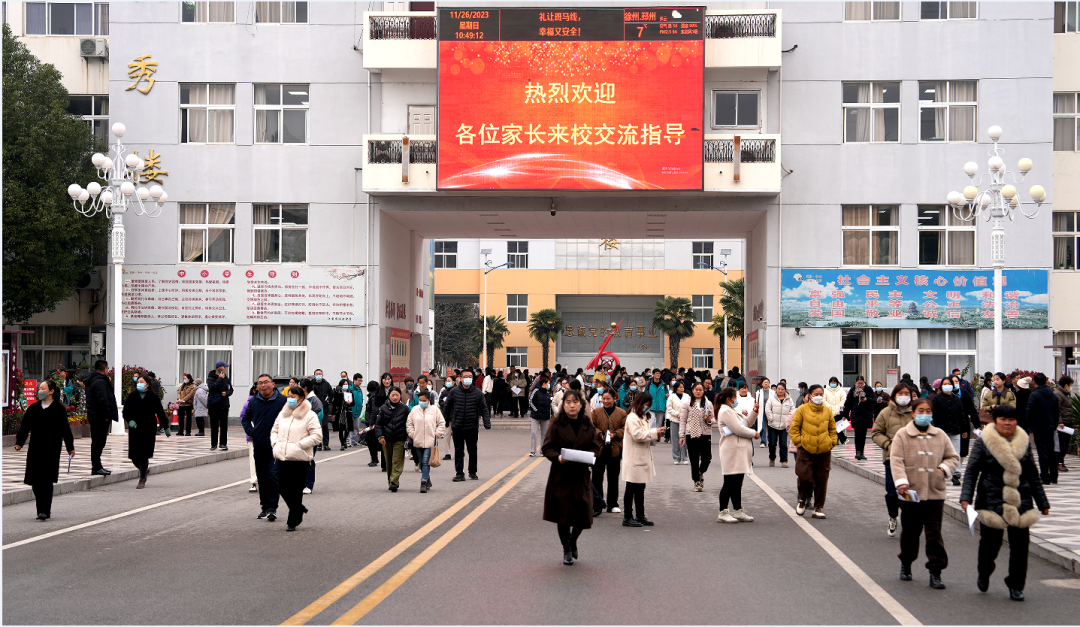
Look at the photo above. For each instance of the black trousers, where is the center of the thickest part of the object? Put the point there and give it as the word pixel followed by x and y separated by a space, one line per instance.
pixel 292 475
pixel 43 494
pixel 326 429
pixel 267 471
pixel 512 401
pixel 605 462
pixel 634 498
pixel 1044 446
pixel 200 422
pixel 990 545
pixel 860 425
pixel 143 464
pixel 374 447
pixel 732 489
pixel 343 434
pixel 523 406
pixel 183 419
pixel 1063 446
pixel 99 434
pixel 914 519
pixel 568 536
pixel 778 438
pixel 219 420
pixel 700 452
pixel 465 439
pixel 496 403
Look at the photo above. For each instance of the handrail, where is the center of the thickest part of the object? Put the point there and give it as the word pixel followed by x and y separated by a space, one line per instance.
pixel 740 26
pixel 750 150
pixel 403 27
pixel 388 151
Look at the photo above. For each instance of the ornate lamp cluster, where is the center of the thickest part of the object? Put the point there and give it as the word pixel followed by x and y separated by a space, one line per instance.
pixel 119 192
pixel 1000 199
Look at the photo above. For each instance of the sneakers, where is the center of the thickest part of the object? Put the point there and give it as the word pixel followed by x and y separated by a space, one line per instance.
pixel 763 445
pixel 818 513
pixel 307 490
pixel 271 515
pixel 213 448
pixel 473 477
pixel 223 448
pixel 262 515
pixel 458 478
pixel 141 484
pixel 893 523
pixel 699 485
pixel 725 517
pixel 416 467
pixel 800 509
pixel 532 454
pixel 741 516
pixel 254 488
pixel 1016 595
pixel 615 510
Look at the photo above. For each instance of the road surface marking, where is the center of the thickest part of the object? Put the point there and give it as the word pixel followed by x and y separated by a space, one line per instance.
pixel 352 582
pixel 1062 583
pixel 891 605
pixel 363 607
pixel 145 508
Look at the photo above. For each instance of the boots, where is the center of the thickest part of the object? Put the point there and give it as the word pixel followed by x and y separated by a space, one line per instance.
pixel 567 557
pixel 141 484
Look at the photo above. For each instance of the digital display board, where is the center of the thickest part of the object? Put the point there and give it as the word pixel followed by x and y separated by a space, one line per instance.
pixel 571 99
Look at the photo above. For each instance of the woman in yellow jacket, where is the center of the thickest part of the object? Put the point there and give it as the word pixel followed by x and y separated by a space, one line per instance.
pixel 813 431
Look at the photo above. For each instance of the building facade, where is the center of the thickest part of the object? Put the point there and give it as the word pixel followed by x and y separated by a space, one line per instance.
pixel 1064 279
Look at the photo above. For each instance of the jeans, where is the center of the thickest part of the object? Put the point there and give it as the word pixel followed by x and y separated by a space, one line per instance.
pixel 43 493
pixel 1044 445
pixel 656 419
pixel 678 453
pixel 700 452
pixel 425 467
pixel 219 419
pixel 99 434
pixel 955 439
pixel 267 474
pixel 394 453
pixel 634 497
pixel 465 439
pixel 606 463
pixel 732 489
pixel 539 434
pixel 183 419
pixel 813 475
pixel 915 517
pixel 990 545
pixel 310 482
pixel 892 501
pixel 778 437
pixel 292 475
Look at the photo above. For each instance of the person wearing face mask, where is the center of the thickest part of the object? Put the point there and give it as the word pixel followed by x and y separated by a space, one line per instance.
pixel 325 393
pixel 199 407
pixel 1063 393
pixel 610 422
pixel 761 398
pixel 185 398
pixel 540 411
pixel 343 401
pixel 47 421
pixel 921 458
pixel 632 390
pixel 391 432
pixel 859 408
pixel 424 426
pixel 950 417
pixel 219 389
pixel 357 390
pixel 888 422
pixel 736 450
pixel 637 459
pixel 465 407
pixel 293 437
pixel 695 423
pixel 777 409
pixel 673 412
pixel 568 494
pixel 143 413
pixel 997 394
pixel 834 397
pixel 371 414
pixel 882 398
pixel 813 432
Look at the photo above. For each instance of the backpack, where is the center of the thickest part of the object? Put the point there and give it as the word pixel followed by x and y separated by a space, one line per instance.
pixel 542 400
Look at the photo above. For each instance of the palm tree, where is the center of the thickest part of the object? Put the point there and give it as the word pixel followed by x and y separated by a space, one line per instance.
pixel 675 317
pixel 732 304
pixel 496 331
pixel 544 327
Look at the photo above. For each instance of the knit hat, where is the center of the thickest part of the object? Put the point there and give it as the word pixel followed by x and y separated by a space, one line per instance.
pixel 1023 383
pixel 936 384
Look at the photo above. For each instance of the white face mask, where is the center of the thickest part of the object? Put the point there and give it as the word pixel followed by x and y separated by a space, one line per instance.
pixel 817 400
pixel 903 400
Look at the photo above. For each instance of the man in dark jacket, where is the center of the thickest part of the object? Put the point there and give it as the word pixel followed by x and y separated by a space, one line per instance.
pixel 217 405
pixel 965 387
pixel 325 393
pixel 262 411
pixel 950 417
pixel 1042 418
pixel 100 412
pixel 464 407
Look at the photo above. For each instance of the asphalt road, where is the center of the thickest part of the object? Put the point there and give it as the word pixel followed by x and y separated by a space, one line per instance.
pixel 207 560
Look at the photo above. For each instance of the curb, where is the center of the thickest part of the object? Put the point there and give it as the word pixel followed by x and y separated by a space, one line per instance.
pixel 23 495
pixel 1037 547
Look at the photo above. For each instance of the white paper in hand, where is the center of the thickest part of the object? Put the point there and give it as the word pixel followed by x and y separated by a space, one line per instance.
pixel 726 431
pixel 972 515
pixel 911 496
pixel 581 457
pixel 843 425
pixel 1066 430
pixel 978 433
pixel 515 389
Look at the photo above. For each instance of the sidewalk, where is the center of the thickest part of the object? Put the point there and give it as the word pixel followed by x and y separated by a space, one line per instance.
pixel 1055 538
pixel 169 454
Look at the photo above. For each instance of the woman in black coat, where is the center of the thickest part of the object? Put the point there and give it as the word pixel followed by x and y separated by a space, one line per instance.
pixel 568 497
pixel 143 413
pixel 391 434
pixel 859 408
pixel 47 421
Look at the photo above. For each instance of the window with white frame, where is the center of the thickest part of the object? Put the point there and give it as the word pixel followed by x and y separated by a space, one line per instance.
pixel 703 307
pixel 278 351
pixel 200 347
pixel 948 10
pixel 280 233
pixel 871 112
pixel 701 358
pixel 871 235
pixel 593 254
pixel 871 11
pixel 517 357
pixel 1065 20
pixel 281 12
pixel 1067 355
pixel 947 111
pixel 736 109
pixel 941 350
pixel 206 232
pixel 869 352
pixel 95 110
pixel 281 114
pixel 703 253
pixel 67 18
pixel 210 12
pixel 945 239
pixel 1065 239
pixel 517 307
pixel 207 112
pixel 445 254
pixel 1065 126
pixel 50 348
pixel 518 254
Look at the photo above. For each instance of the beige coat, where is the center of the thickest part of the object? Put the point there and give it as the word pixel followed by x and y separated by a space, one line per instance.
pixel 834 399
pixel 922 461
pixel 736 449
pixel 295 433
pixel 888 423
pixel 424 425
pixel 637 458
pixel 675 404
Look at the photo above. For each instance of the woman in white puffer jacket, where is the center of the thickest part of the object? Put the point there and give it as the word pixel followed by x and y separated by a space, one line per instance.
pixel 675 402
pixel 293 437
pixel 425 425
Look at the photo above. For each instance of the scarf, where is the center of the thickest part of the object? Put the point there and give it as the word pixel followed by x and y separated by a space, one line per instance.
pixel 695 419
pixel 860 393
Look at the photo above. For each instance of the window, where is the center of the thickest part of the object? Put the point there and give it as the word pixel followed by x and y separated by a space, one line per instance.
pixel 871 235
pixel 207 11
pixel 1068 354
pixel 1065 17
pixel 947 110
pixel 206 232
pixel 869 352
pixel 945 239
pixel 590 254
pixel 703 253
pixel 95 110
pixel 736 109
pixel 281 12
pixel 949 10
pixel 517 307
pixel 941 350
pixel 66 18
pixel 1065 223
pixel 875 11
pixel 445 254
pixel 1065 128
pixel 281 114
pixel 703 308
pixel 518 254
pixel 280 233
pixel 206 113
pixel 200 347
pixel 701 358
pixel 279 351
pixel 871 112
pixel 49 348
pixel 517 357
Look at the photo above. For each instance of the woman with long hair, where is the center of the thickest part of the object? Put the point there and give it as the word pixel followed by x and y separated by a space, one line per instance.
pixel 143 413
pixel 47 421
pixel 637 459
pixel 568 497
pixel 675 401
pixel 293 437
pixel 736 448
pixel 696 435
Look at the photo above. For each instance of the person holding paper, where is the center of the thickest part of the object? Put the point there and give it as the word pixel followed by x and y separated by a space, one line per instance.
pixel 813 432
pixel 637 459
pixel 47 421
pixel 568 498
pixel 736 449
pixel 1008 494
pixel 887 424
pixel 1063 392
pixel 610 422
pixel 921 458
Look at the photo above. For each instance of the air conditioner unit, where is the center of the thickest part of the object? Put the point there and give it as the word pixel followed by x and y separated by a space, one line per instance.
pixel 96 48
pixel 90 281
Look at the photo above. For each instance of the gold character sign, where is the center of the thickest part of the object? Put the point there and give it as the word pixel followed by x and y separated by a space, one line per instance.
pixel 609 244
pixel 152 171
pixel 142 69
pixel 594 331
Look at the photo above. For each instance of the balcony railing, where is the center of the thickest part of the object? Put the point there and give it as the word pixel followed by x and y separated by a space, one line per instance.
pixel 403 27
pixel 740 26
pixel 750 151
pixel 389 151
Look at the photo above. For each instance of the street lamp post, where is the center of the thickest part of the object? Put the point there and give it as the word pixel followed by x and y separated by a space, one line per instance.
pixel 723 346
pixel 999 201
pixel 115 198
pixel 487 264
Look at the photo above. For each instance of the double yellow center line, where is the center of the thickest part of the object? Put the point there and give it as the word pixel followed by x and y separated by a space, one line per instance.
pixel 383 591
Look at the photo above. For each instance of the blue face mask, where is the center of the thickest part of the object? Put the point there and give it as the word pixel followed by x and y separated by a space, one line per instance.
pixel 141 387
pixel 878 389
pixel 946 388
pixel 633 388
pixel 832 385
pixel 449 384
pixel 135 378
pixel 924 420
pixel 292 402
pixel 318 377
pixel 423 404
pixel 467 381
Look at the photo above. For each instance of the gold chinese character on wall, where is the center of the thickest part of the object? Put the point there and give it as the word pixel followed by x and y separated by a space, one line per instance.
pixel 142 69
pixel 652 331
pixel 592 331
pixel 641 331
pixel 608 244
pixel 569 330
pixel 152 171
pixel 629 331
pixel 581 331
